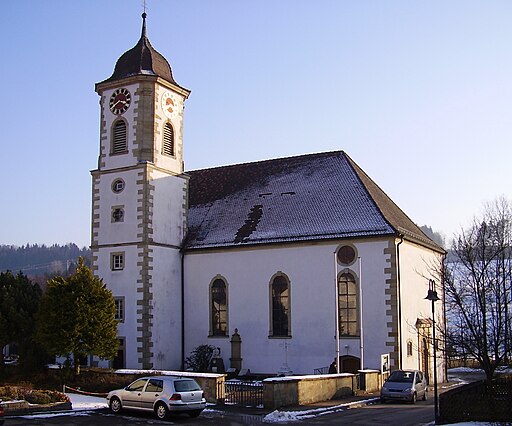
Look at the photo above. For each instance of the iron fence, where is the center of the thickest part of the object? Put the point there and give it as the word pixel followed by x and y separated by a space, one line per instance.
pixel 478 401
pixel 247 394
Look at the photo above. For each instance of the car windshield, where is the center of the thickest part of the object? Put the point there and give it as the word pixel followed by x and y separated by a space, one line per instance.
pixel 186 386
pixel 401 377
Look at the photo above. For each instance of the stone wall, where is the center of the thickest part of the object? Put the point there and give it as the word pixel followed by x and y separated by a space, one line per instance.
pixel 300 390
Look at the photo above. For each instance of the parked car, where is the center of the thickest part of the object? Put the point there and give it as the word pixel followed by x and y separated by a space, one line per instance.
pixel 11 360
pixel 161 394
pixel 405 385
pixel 1 413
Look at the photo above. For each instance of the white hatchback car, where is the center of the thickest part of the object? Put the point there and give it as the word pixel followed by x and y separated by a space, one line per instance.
pixel 405 385
pixel 161 394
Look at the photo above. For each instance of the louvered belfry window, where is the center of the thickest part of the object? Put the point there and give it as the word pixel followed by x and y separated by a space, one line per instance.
pixel 168 142
pixel 119 142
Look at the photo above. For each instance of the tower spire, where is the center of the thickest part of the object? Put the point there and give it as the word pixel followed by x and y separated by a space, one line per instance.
pixel 144 14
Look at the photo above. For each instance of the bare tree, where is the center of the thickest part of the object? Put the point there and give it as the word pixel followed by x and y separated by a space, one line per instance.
pixel 478 288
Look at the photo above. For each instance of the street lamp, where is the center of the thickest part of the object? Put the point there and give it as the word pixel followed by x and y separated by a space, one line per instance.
pixel 432 296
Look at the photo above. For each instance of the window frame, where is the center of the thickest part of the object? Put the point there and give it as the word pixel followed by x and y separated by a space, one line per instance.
pixel 409 347
pixel 349 311
pixel 115 264
pixel 113 141
pixel 172 151
pixel 214 331
pixel 273 333
pixel 114 210
pixel 118 185
pixel 120 308
pixel 338 254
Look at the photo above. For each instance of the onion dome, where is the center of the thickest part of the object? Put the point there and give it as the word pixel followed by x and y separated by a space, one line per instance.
pixel 142 59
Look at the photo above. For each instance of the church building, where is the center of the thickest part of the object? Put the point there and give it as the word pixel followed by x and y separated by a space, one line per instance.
pixel 292 261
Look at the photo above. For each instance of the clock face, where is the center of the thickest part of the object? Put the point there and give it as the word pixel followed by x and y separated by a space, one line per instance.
pixel 120 101
pixel 170 104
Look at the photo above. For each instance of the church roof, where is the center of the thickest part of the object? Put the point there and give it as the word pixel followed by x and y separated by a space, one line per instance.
pixel 304 198
pixel 142 59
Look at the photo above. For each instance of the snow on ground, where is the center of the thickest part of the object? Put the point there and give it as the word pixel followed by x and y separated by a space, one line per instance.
pixel 86 402
pixel 290 416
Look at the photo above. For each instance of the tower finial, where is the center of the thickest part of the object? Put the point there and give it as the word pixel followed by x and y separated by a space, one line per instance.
pixel 143 35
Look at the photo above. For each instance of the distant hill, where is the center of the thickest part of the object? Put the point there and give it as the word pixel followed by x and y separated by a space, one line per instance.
pixel 40 260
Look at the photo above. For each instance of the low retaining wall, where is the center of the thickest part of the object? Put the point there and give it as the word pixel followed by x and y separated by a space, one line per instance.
pixel 23 407
pixel 301 390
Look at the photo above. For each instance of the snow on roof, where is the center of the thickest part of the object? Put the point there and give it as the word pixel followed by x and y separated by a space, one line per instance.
pixel 304 198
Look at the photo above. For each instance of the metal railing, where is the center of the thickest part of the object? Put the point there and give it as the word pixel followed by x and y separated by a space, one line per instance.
pixel 478 401
pixel 247 394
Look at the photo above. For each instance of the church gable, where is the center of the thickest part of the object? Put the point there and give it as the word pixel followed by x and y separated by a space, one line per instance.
pixel 309 197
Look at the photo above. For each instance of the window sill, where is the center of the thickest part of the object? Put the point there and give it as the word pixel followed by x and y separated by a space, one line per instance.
pixel 279 337
pixel 218 336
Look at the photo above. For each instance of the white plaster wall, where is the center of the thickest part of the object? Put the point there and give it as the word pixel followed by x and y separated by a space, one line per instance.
pixel 124 283
pixel 118 232
pixel 168 208
pixel 166 308
pixel 310 269
pixel 416 264
pixel 115 161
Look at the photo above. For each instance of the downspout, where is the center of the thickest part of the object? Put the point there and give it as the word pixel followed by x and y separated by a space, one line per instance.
pixel 399 293
pixel 182 253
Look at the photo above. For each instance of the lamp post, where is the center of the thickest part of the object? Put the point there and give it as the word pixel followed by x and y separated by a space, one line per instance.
pixel 432 296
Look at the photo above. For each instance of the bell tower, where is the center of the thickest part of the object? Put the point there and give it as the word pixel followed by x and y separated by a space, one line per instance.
pixel 139 202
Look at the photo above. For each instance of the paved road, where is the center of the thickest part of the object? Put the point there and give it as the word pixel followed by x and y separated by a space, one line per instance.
pixel 380 414
pixel 374 414
pixel 105 418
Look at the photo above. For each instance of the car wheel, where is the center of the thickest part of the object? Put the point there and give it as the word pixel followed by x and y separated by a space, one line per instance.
pixel 413 399
pixel 382 400
pixel 194 413
pixel 115 405
pixel 161 411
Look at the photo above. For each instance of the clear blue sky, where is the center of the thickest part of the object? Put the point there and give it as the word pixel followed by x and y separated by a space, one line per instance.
pixel 418 93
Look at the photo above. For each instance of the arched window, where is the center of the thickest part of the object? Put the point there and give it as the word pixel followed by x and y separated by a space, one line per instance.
pixel 119 137
pixel 409 347
pixel 348 305
pixel 168 140
pixel 219 308
pixel 280 307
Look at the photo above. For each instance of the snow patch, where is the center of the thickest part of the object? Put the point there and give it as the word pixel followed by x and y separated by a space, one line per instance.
pixel 86 402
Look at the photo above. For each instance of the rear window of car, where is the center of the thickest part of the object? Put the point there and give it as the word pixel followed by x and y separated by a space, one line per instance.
pixel 186 386
pixel 401 377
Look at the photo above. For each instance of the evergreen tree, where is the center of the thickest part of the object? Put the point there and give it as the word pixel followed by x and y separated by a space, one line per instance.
pixel 77 317
pixel 19 303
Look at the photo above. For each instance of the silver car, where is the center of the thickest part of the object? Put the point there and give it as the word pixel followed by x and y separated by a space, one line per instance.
pixel 405 385
pixel 161 394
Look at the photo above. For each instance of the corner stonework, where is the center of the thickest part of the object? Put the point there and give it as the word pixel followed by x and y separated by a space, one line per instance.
pixel 391 292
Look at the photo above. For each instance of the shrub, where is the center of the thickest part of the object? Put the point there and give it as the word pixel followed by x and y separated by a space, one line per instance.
pixel 38 397
pixel 32 396
pixel 199 359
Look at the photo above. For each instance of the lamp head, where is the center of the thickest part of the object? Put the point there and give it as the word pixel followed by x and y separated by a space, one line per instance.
pixel 432 296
